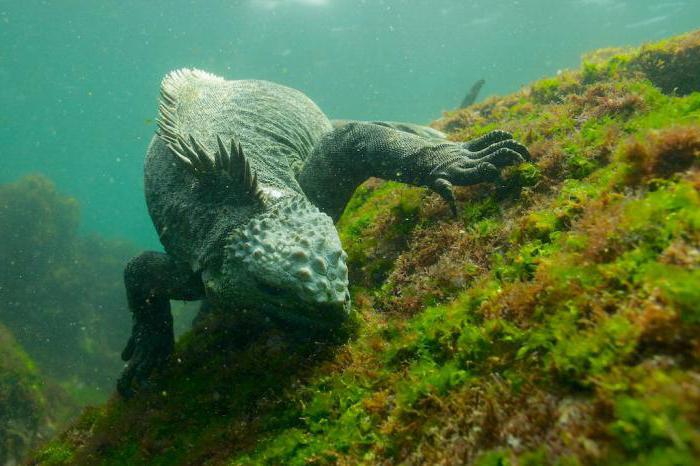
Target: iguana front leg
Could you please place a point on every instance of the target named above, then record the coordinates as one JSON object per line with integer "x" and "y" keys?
{"x": 350, "y": 154}
{"x": 152, "y": 279}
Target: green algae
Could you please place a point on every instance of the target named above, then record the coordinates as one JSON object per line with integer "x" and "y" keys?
{"x": 30, "y": 407}
{"x": 567, "y": 333}
{"x": 22, "y": 403}
{"x": 374, "y": 227}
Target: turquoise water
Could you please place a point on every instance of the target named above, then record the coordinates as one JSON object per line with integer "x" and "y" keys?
{"x": 79, "y": 79}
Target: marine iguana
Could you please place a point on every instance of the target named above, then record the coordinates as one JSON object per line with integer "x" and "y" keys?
{"x": 243, "y": 182}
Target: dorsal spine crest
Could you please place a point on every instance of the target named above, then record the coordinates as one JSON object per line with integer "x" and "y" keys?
{"x": 190, "y": 152}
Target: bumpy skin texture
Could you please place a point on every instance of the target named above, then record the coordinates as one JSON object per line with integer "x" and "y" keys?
{"x": 244, "y": 181}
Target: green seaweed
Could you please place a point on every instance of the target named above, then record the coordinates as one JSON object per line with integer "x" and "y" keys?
{"x": 30, "y": 406}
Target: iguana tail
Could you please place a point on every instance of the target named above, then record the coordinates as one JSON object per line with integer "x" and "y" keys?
{"x": 470, "y": 98}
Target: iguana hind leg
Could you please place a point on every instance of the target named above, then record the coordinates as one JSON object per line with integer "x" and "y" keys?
{"x": 152, "y": 279}
{"x": 355, "y": 151}
{"x": 411, "y": 128}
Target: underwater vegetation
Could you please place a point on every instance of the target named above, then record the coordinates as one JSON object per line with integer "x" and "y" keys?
{"x": 61, "y": 292}
{"x": 62, "y": 314}
{"x": 556, "y": 320}
{"x": 31, "y": 408}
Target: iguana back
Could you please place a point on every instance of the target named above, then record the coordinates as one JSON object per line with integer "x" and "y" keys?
{"x": 276, "y": 126}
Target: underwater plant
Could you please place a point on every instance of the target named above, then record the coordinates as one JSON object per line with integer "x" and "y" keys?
{"x": 31, "y": 407}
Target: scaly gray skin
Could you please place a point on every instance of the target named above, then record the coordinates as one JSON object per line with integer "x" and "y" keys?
{"x": 244, "y": 181}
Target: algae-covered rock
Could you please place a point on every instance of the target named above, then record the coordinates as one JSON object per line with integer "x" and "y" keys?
{"x": 671, "y": 65}
{"x": 30, "y": 408}
{"x": 555, "y": 321}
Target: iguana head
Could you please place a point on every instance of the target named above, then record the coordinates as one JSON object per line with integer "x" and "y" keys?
{"x": 289, "y": 257}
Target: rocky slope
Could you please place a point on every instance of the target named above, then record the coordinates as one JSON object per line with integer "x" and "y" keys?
{"x": 555, "y": 321}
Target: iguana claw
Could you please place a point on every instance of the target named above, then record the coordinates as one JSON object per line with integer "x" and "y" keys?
{"x": 444, "y": 189}
{"x": 149, "y": 347}
{"x": 476, "y": 161}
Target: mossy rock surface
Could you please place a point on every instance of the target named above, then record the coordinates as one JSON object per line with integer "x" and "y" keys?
{"x": 556, "y": 321}
{"x": 30, "y": 407}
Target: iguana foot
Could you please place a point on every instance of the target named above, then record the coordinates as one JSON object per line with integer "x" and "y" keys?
{"x": 149, "y": 347}
{"x": 476, "y": 161}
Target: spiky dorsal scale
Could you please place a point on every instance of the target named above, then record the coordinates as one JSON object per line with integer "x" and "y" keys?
{"x": 177, "y": 86}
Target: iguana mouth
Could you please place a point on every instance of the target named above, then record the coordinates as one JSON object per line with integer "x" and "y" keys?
{"x": 278, "y": 304}
{"x": 307, "y": 316}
